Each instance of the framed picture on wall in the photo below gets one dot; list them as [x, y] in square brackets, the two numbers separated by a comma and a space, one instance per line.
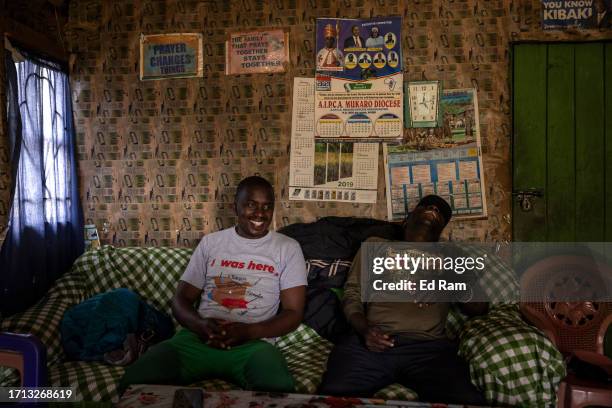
[171, 56]
[257, 51]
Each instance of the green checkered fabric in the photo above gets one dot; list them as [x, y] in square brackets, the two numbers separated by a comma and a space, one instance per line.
[9, 377]
[94, 381]
[151, 272]
[215, 384]
[306, 354]
[511, 361]
[497, 280]
[306, 360]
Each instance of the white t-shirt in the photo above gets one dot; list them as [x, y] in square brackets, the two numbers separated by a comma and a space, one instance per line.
[241, 278]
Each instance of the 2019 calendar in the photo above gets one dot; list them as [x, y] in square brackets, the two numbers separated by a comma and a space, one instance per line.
[332, 170]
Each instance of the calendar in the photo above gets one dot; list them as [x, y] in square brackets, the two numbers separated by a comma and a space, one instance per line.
[359, 126]
[414, 175]
[388, 125]
[371, 113]
[329, 170]
[445, 161]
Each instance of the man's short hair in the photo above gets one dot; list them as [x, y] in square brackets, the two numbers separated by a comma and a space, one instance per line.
[251, 182]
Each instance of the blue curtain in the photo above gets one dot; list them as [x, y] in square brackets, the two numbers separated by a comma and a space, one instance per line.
[45, 227]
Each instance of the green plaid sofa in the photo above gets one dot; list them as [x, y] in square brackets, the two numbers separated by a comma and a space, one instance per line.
[511, 361]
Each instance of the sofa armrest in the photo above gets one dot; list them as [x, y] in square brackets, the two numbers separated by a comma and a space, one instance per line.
[43, 319]
[513, 362]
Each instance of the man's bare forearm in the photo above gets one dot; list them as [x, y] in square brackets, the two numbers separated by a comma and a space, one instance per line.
[284, 322]
[186, 315]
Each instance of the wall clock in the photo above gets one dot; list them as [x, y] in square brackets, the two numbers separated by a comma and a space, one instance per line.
[423, 103]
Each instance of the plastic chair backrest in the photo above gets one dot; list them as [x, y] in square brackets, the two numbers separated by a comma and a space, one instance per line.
[576, 323]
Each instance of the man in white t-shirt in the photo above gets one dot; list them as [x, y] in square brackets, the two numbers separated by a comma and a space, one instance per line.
[242, 276]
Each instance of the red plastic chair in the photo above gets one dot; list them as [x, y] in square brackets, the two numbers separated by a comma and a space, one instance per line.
[577, 328]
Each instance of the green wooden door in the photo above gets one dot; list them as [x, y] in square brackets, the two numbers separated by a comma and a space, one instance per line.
[562, 144]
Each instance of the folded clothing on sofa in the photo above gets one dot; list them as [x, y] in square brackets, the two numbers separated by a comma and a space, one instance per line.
[102, 323]
[332, 238]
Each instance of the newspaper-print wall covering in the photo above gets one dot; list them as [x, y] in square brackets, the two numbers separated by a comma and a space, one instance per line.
[160, 160]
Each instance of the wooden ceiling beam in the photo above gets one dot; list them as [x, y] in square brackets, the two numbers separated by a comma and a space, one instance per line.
[33, 40]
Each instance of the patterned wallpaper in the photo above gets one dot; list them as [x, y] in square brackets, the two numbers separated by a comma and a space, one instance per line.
[160, 160]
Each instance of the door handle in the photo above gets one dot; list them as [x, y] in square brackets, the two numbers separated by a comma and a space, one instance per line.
[524, 197]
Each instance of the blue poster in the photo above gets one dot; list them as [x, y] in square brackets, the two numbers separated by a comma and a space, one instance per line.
[446, 161]
[359, 79]
[359, 49]
[571, 13]
[171, 56]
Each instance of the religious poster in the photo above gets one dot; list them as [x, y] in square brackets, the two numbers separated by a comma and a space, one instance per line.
[171, 56]
[446, 161]
[257, 51]
[327, 170]
[359, 80]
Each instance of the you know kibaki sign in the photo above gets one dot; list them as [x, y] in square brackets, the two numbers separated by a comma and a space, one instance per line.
[568, 13]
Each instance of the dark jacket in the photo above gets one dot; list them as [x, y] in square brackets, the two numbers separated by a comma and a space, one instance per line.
[323, 243]
[332, 238]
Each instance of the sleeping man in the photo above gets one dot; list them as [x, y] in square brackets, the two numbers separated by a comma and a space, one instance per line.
[402, 342]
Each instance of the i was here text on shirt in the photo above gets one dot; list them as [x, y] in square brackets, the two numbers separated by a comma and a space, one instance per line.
[241, 278]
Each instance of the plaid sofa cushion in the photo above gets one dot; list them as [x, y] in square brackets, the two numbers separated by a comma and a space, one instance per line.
[151, 272]
[513, 362]
[510, 360]
[43, 319]
[94, 381]
[305, 352]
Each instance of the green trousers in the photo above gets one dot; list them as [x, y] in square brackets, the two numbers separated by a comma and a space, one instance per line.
[185, 359]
